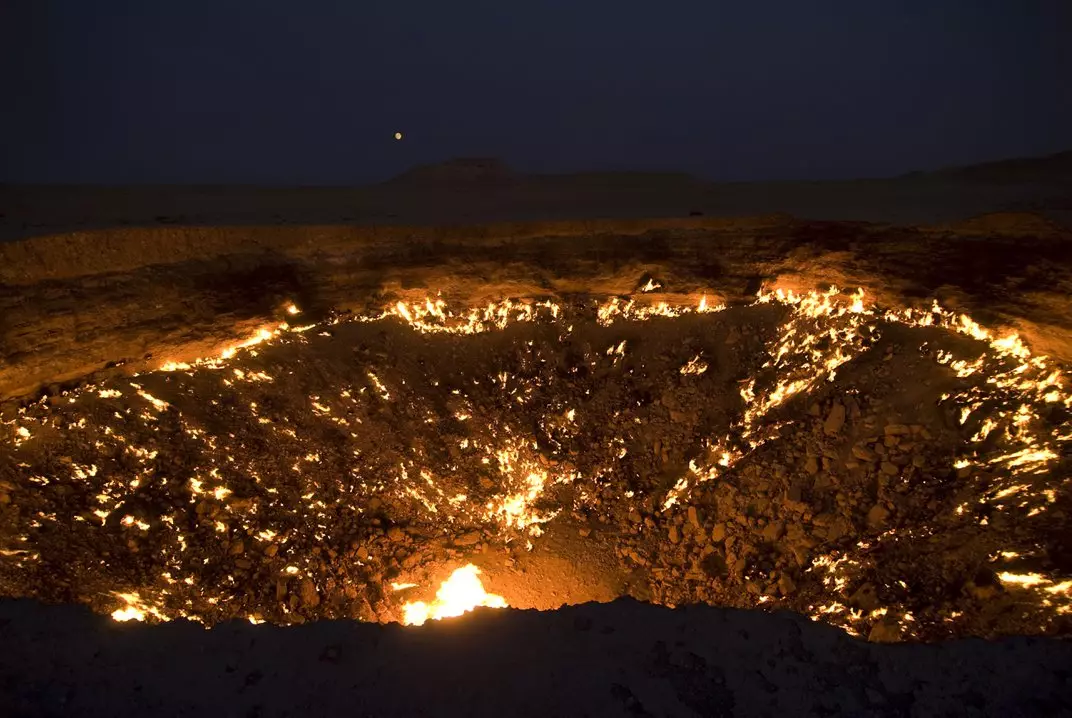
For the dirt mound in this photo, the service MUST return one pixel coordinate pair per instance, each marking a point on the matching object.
(1017, 224)
(602, 660)
(1049, 168)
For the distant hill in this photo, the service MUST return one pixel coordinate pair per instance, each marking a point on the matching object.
(1049, 168)
(461, 171)
(491, 171)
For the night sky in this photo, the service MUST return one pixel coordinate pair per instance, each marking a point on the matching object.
(312, 91)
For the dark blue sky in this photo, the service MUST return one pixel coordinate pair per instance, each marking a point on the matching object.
(311, 91)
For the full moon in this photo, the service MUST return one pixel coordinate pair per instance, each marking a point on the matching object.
(398, 135)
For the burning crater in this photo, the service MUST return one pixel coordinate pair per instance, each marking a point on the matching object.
(900, 473)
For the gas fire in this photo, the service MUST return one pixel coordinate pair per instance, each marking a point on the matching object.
(459, 594)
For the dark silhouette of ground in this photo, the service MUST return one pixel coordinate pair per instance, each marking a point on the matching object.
(616, 659)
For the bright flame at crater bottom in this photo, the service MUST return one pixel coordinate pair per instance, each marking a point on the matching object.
(459, 594)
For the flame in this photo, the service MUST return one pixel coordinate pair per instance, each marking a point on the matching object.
(261, 335)
(433, 316)
(695, 366)
(459, 594)
(1023, 579)
(136, 609)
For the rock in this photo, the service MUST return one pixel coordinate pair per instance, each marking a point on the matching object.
(374, 504)
(244, 563)
(890, 469)
(981, 593)
(280, 589)
(863, 453)
(241, 505)
(786, 585)
(884, 632)
(237, 548)
(865, 598)
(4, 499)
(635, 516)
(794, 500)
(674, 534)
(838, 528)
(823, 519)
(396, 534)
(897, 430)
(694, 517)
(308, 594)
(584, 532)
(811, 465)
(467, 539)
(271, 550)
(773, 531)
(877, 516)
(800, 553)
(362, 553)
(718, 533)
(835, 419)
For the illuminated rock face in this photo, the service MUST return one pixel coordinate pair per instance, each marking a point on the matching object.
(897, 472)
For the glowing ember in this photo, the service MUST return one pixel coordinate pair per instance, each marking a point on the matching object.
(459, 594)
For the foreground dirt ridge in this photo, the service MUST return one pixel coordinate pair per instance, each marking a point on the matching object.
(87, 303)
(611, 659)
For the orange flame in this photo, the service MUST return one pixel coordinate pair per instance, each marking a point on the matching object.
(459, 594)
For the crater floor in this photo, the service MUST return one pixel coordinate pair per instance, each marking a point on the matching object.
(901, 474)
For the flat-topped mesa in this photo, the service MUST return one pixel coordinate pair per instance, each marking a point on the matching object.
(462, 171)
